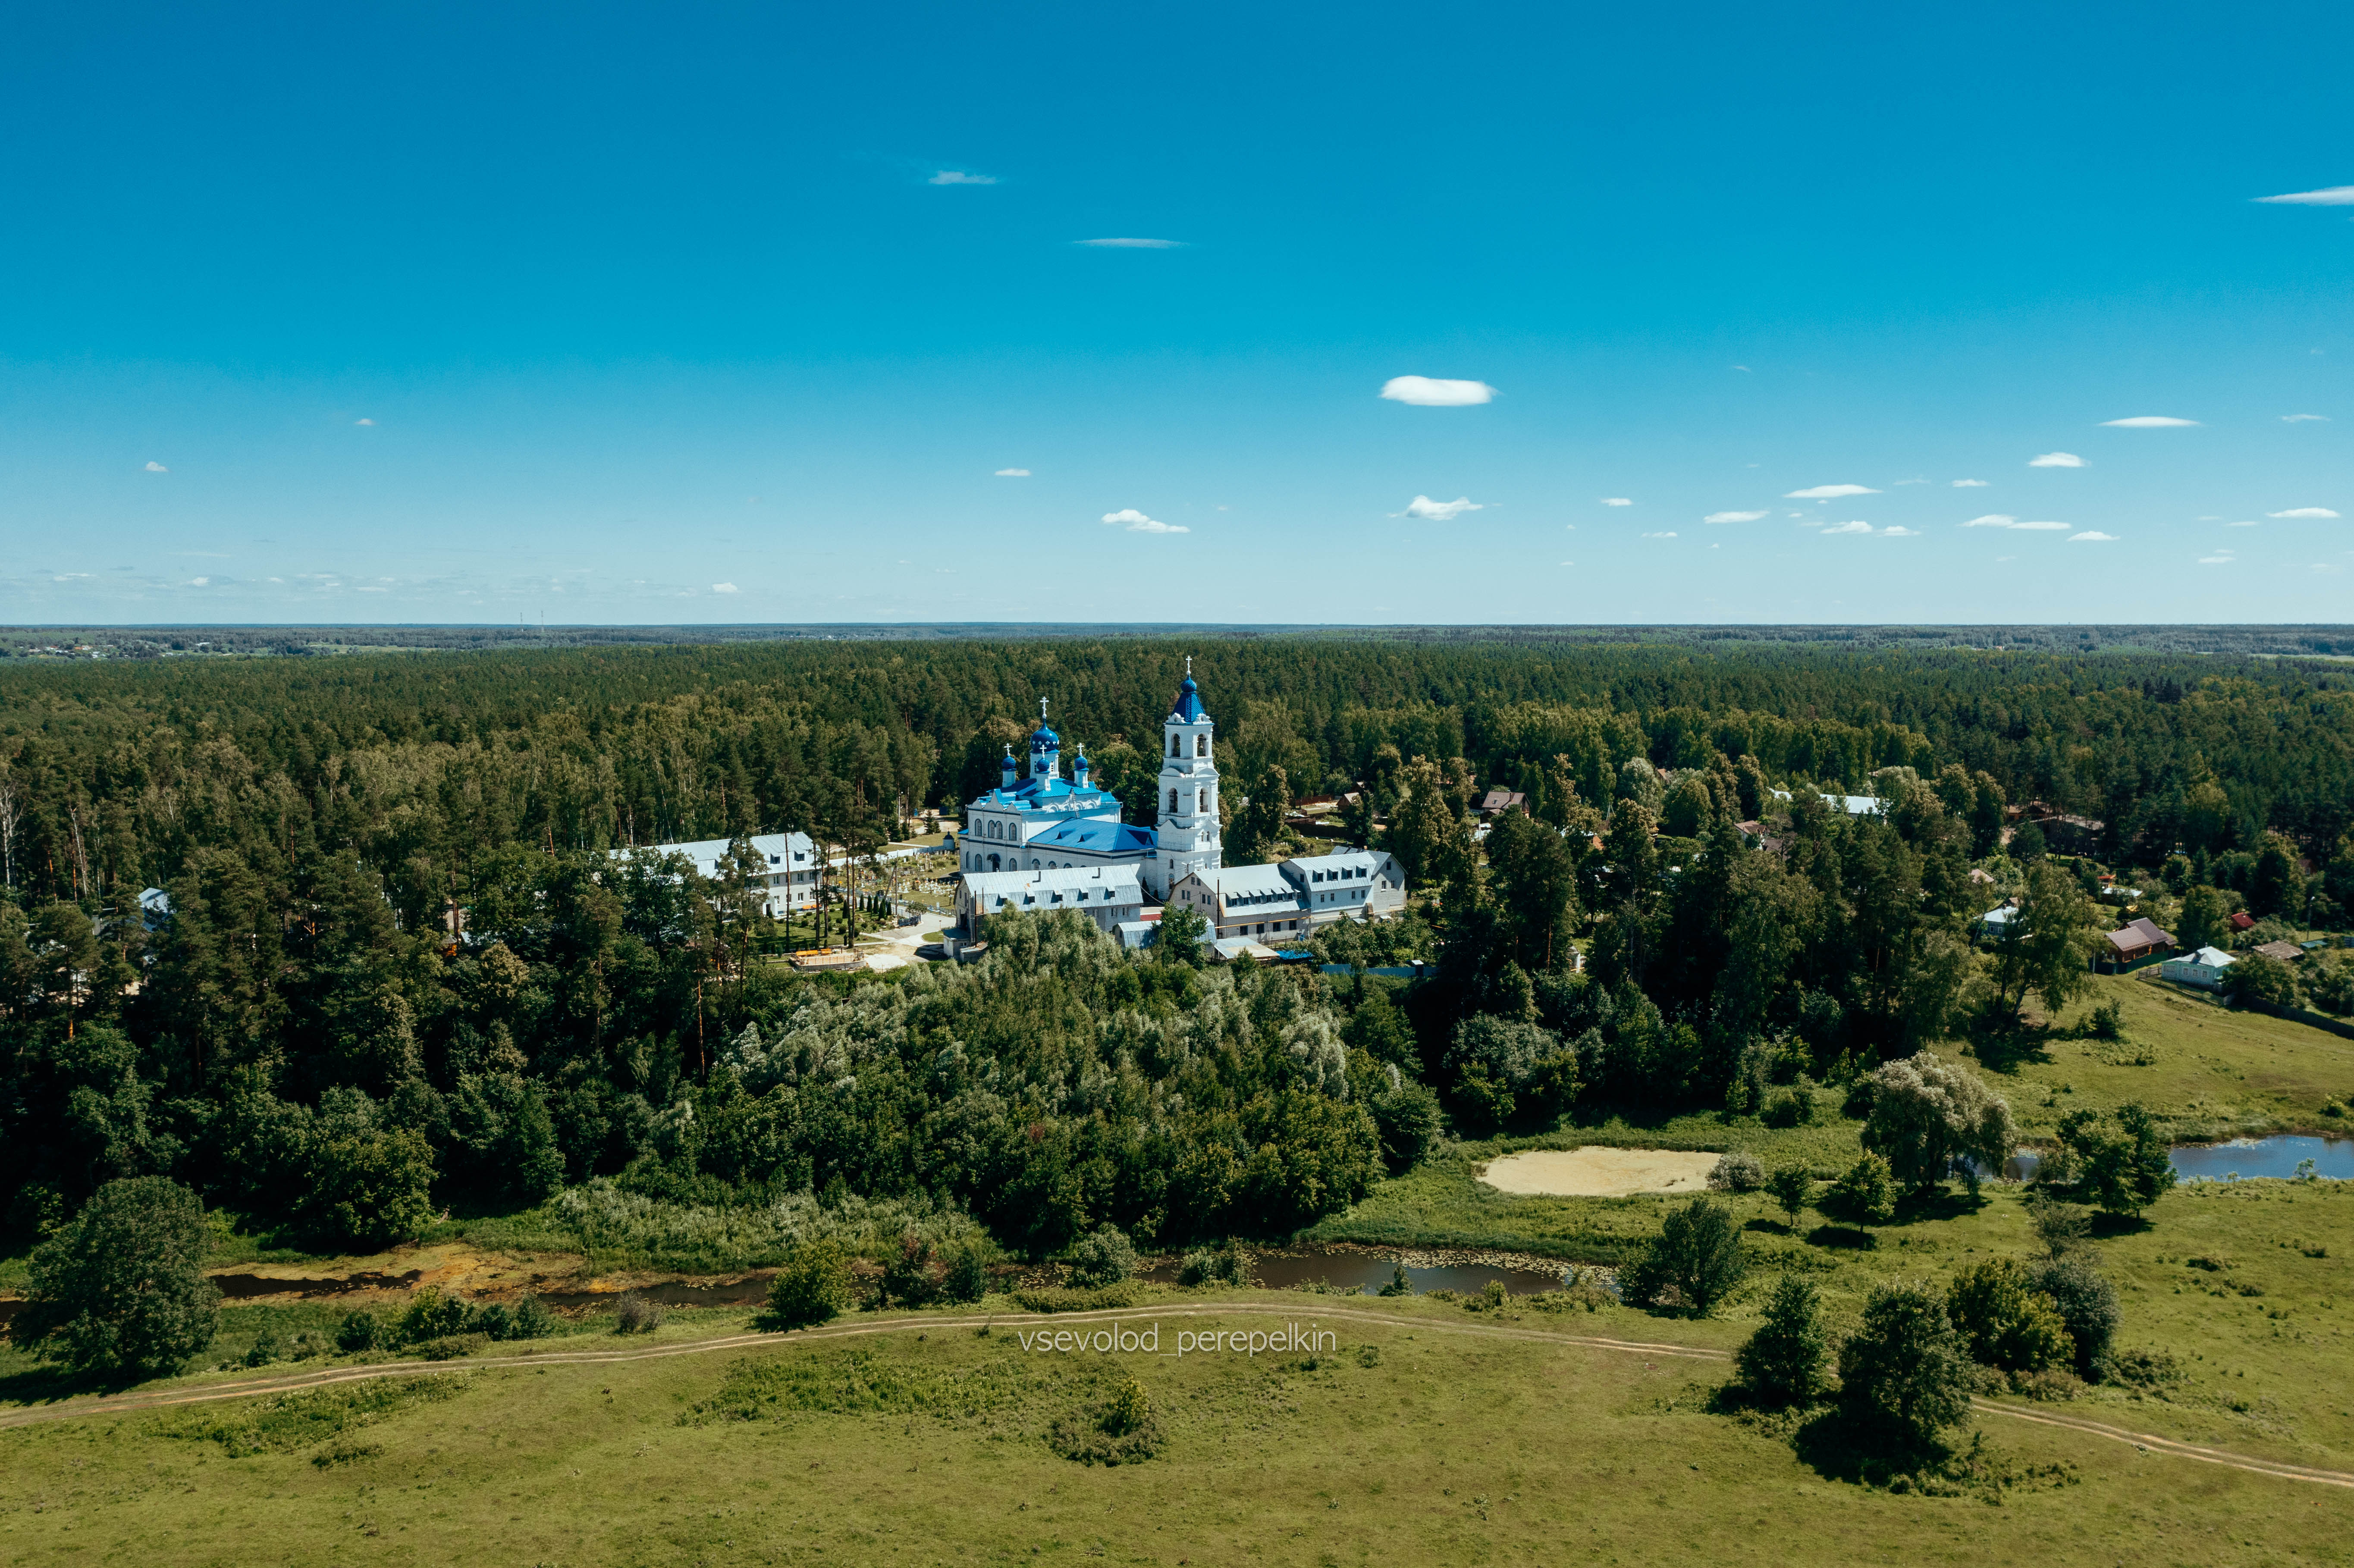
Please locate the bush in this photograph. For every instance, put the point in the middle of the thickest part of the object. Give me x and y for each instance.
(967, 1280)
(492, 1322)
(432, 1315)
(811, 1287)
(1399, 1284)
(451, 1347)
(1695, 1263)
(634, 1314)
(1103, 1256)
(263, 1350)
(1737, 1172)
(2006, 1321)
(358, 1331)
(1865, 1193)
(2255, 976)
(122, 1289)
(1225, 1264)
(1907, 1370)
(907, 1276)
(2106, 1022)
(2088, 1305)
(1056, 1300)
(1792, 1106)
(1121, 1431)
(531, 1319)
(1783, 1361)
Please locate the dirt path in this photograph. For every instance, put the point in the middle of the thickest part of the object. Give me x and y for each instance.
(1322, 1311)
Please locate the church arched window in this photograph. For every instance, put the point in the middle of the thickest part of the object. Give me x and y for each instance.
(1201, 746)
(1176, 745)
(1172, 800)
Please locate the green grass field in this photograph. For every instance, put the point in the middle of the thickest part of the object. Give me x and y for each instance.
(1417, 1441)
(1424, 1437)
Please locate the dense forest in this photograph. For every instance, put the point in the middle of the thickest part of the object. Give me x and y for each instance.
(301, 1038)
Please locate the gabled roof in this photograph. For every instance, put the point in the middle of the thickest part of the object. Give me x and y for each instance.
(778, 852)
(1063, 887)
(2286, 953)
(1250, 886)
(2210, 957)
(2141, 933)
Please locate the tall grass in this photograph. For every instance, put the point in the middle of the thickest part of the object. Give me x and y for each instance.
(618, 1229)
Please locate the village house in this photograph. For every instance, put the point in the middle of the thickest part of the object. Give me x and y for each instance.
(2131, 943)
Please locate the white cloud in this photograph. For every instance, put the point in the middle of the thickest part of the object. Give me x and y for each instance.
(1858, 527)
(2305, 419)
(2056, 459)
(2220, 558)
(2004, 520)
(1969, 484)
(1569, 563)
(1133, 244)
(363, 421)
(1903, 483)
(154, 467)
(1138, 523)
(724, 587)
(1897, 533)
(1012, 473)
(1430, 511)
(1732, 516)
(2250, 523)
(2149, 422)
(2304, 512)
(1424, 392)
(958, 177)
(2091, 537)
(1617, 501)
(1829, 493)
(200, 582)
(1743, 367)
(2335, 195)
(1569, 527)
(1667, 536)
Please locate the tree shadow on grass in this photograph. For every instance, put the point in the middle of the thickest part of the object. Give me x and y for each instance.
(2108, 1227)
(1846, 1237)
(1836, 1445)
(2006, 1048)
(46, 1384)
(1938, 1203)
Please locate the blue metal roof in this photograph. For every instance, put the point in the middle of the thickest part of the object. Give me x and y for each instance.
(1189, 700)
(1096, 838)
(1045, 739)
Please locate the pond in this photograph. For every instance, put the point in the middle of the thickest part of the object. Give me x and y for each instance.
(2252, 1157)
(2244, 1158)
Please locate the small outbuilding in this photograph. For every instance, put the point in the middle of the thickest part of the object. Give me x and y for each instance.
(2286, 953)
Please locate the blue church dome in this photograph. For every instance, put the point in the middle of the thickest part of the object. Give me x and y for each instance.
(1189, 699)
(1045, 739)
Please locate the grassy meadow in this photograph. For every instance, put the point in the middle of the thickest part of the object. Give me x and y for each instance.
(1425, 1437)
(1417, 1441)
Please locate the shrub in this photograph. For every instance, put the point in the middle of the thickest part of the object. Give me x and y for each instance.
(1121, 1431)
(1783, 1360)
(1865, 1193)
(2106, 1022)
(263, 1350)
(2257, 977)
(1228, 1263)
(2005, 1320)
(1907, 1370)
(492, 1321)
(122, 1289)
(2151, 1370)
(531, 1319)
(634, 1314)
(1693, 1263)
(1055, 1300)
(432, 1315)
(451, 1347)
(1792, 1106)
(1737, 1172)
(966, 1279)
(907, 1276)
(2122, 1171)
(811, 1287)
(1399, 1284)
(2088, 1305)
(358, 1331)
(1103, 1256)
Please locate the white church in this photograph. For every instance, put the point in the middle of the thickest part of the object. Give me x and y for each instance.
(1040, 842)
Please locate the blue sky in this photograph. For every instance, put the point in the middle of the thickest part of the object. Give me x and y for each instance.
(688, 313)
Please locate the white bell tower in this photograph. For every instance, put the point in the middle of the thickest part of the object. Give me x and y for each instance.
(1189, 794)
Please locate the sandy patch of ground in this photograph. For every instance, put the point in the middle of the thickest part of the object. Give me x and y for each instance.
(1597, 1173)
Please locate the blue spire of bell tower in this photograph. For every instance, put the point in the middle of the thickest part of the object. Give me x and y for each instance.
(1045, 749)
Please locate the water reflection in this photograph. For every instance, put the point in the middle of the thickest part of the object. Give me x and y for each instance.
(1371, 1271)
